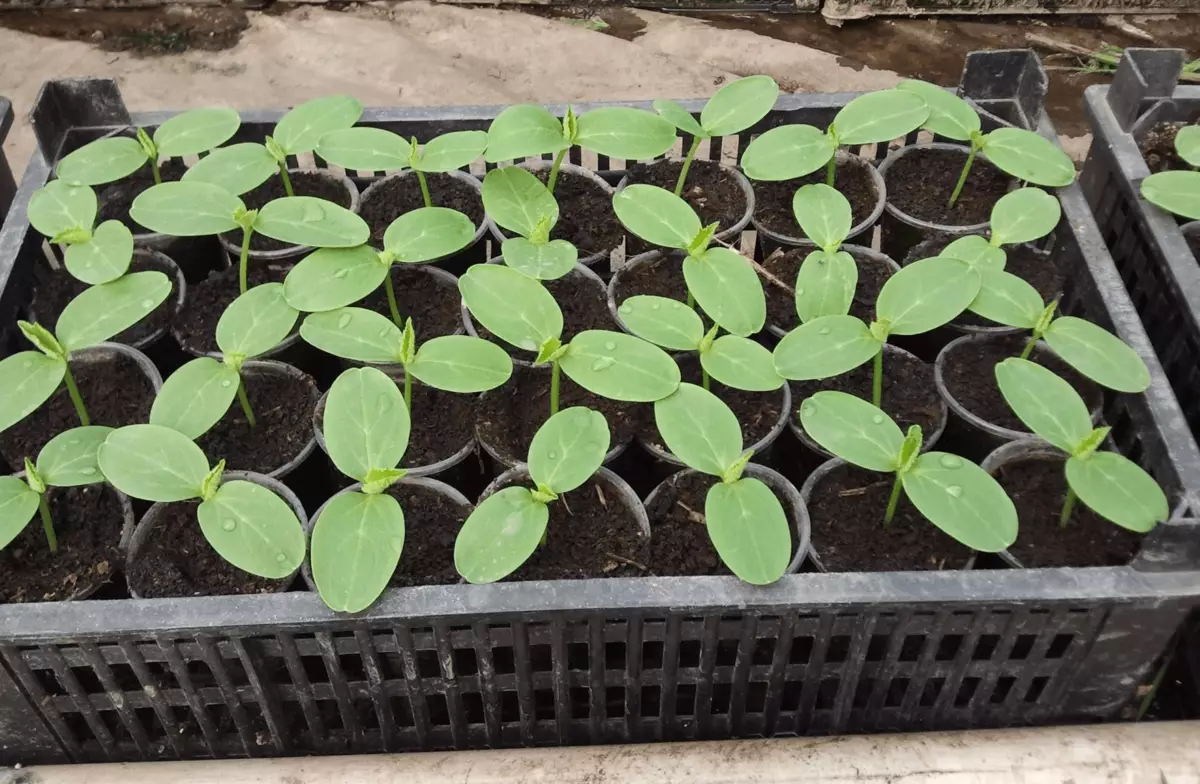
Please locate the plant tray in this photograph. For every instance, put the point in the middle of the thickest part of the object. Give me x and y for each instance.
(607, 661)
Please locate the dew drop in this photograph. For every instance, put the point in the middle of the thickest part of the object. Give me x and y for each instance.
(397, 544)
(552, 455)
(229, 524)
(383, 332)
(87, 470)
(383, 404)
(147, 303)
(74, 442)
(808, 409)
(955, 491)
(603, 363)
(950, 461)
(281, 557)
(877, 419)
(344, 321)
(27, 364)
(656, 306)
(799, 292)
(341, 274)
(312, 212)
(610, 346)
(528, 345)
(676, 304)
(823, 331)
(625, 309)
(227, 383)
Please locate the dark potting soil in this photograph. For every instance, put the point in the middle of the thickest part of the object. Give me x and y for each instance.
(115, 392)
(431, 523)
(661, 277)
(970, 376)
(1158, 148)
(711, 190)
(116, 198)
(506, 418)
(873, 272)
(87, 523)
(756, 412)
(773, 200)
(592, 533)
(435, 307)
(395, 197)
(283, 407)
(909, 394)
(585, 214)
(584, 304)
(680, 544)
(920, 184)
(54, 293)
(195, 327)
(1038, 488)
(846, 511)
(303, 184)
(176, 560)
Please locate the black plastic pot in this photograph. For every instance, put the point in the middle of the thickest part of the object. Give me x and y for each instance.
(733, 231)
(265, 367)
(1018, 451)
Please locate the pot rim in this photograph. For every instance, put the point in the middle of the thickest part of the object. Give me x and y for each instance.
(928, 226)
(742, 182)
(458, 174)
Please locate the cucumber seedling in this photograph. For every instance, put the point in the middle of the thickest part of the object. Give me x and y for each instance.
(1023, 215)
(954, 494)
(66, 214)
(743, 517)
(29, 378)
(828, 277)
(67, 460)
(1178, 192)
(508, 526)
(247, 524)
(1023, 154)
(1110, 484)
(732, 109)
(792, 151)
(519, 202)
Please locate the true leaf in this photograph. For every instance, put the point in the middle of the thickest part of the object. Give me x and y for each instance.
(621, 132)
(153, 463)
(521, 131)
(741, 363)
(727, 288)
(949, 115)
(1097, 354)
(356, 544)
(102, 161)
(1176, 192)
(70, 458)
(620, 367)
(749, 530)
(662, 321)
(926, 294)
(852, 429)
(825, 347)
(880, 117)
(547, 261)
(105, 257)
(265, 538)
(353, 333)
(681, 118)
(977, 252)
(738, 105)
(366, 423)
(186, 209)
(824, 215)
(462, 364)
(41, 337)
(305, 220)
(699, 429)
(256, 321)
(331, 278)
(1029, 157)
(237, 168)
(787, 152)
(60, 206)
(428, 233)
(513, 307)
(656, 215)
(1007, 299)
(568, 449)
(195, 397)
(1024, 215)
(1048, 405)
(27, 379)
(17, 506)
(825, 285)
(1118, 489)
(196, 131)
(303, 127)
(365, 149)
(499, 535)
(516, 200)
(452, 151)
(110, 308)
(1187, 144)
(963, 500)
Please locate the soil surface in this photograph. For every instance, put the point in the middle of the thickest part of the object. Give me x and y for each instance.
(909, 394)
(773, 200)
(1038, 488)
(1158, 148)
(115, 392)
(756, 412)
(847, 510)
(584, 304)
(711, 190)
(395, 197)
(971, 379)
(431, 523)
(679, 544)
(506, 418)
(434, 306)
(282, 407)
(87, 523)
(920, 184)
(660, 277)
(53, 294)
(176, 560)
(873, 272)
(115, 198)
(591, 533)
(195, 327)
(585, 214)
(314, 184)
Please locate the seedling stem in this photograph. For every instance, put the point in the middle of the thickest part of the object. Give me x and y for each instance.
(962, 178)
(154, 171)
(424, 188)
(877, 382)
(1064, 518)
(704, 379)
(47, 523)
(554, 373)
(1029, 344)
(687, 164)
(247, 232)
(287, 181)
(245, 401)
(554, 170)
(831, 170)
(392, 306)
(408, 390)
(893, 501)
(73, 391)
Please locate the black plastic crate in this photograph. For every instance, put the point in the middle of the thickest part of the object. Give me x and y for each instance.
(8, 186)
(622, 660)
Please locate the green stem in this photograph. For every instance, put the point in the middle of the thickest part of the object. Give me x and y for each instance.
(877, 381)
(47, 523)
(391, 295)
(962, 178)
(554, 373)
(73, 391)
(895, 499)
(704, 379)
(424, 187)
(408, 390)
(691, 303)
(155, 171)
(244, 259)
(287, 181)
(687, 164)
(1064, 517)
(244, 399)
(1033, 339)
(831, 170)
(558, 159)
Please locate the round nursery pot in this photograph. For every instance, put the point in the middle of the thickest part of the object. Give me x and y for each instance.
(976, 434)
(195, 326)
(581, 295)
(874, 269)
(855, 177)
(169, 556)
(118, 385)
(681, 545)
(433, 513)
(718, 193)
(1033, 475)
(846, 507)
(653, 272)
(579, 191)
(321, 183)
(597, 530)
(396, 194)
(931, 414)
(92, 525)
(426, 294)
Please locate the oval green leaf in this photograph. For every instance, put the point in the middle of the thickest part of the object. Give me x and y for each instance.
(236, 169)
(738, 105)
(825, 347)
(516, 200)
(365, 149)
(1187, 144)
(679, 117)
(963, 500)
(568, 449)
(787, 152)
(104, 258)
(880, 117)
(354, 333)
(196, 131)
(949, 115)
(824, 215)
(852, 429)
(195, 397)
(70, 458)
(428, 233)
(662, 321)
(27, 379)
(521, 131)
(515, 308)
(256, 321)
(727, 288)
(102, 161)
(186, 209)
(749, 529)
(60, 206)
(356, 544)
(621, 132)
(17, 506)
(1024, 215)
(366, 423)
(253, 529)
(699, 429)
(1047, 404)
(1177, 192)
(656, 215)
(977, 252)
(462, 364)
(153, 463)
(1029, 157)
(105, 310)
(547, 261)
(1097, 354)
(1006, 299)
(331, 278)
(452, 151)
(305, 220)
(741, 363)
(825, 285)
(500, 535)
(303, 127)
(620, 367)
(1118, 490)
(927, 294)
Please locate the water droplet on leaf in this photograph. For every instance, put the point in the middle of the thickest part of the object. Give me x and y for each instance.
(603, 363)
(610, 346)
(87, 470)
(227, 383)
(344, 321)
(799, 292)
(147, 303)
(656, 306)
(341, 274)
(955, 491)
(383, 404)
(229, 524)
(823, 330)
(281, 557)
(877, 419)
(676, 304)
(528, 345)
(383, 332)
(625, 309)
(312, 212)
(950, 461)
(74, 442)
(552, 455)
(808, 409)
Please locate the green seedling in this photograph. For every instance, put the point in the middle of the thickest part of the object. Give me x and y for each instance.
(374, 149)
(720, 280)
(1023, 215)
(520, 311)
(243, 167)
(744, 519)
(1110, 484)
(29, 378)
(733, 360)
(247, 524)
(68, 460)
(954, 494)
(332, 278)
(359, 535)
(1024, 154)
(66, 214)
(111, 159)
(452, 363)
(196, 209)
(1178, 192)
(519, 202)
(197, 395)
(526, 130)
(732, 109)
(828, 277)
(507, 527)
(792, 151)
(920, 297)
